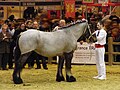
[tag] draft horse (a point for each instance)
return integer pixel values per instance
(59, 43)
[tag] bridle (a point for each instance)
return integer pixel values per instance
(89, 31)
(85, 31)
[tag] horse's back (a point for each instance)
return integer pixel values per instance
(44, 43)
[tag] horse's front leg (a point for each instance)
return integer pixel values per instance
(18, 68)
(59, 76)
(68, 58)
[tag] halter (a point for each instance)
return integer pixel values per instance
(88, 27)
(89, 31)
(90, 43)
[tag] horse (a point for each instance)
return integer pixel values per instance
(59, 43)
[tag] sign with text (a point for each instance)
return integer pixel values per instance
(87, 1)
(85, 54)
(102, 1)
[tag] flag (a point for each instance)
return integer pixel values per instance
(69, 8)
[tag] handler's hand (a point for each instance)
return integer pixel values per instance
(87, 40)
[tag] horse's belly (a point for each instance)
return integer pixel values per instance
(50, 53)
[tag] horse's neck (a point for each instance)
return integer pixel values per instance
(77, 30)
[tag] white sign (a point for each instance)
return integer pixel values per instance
(102, 1)
(85, 54)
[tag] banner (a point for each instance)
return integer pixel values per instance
(85, 54)
(69, 8)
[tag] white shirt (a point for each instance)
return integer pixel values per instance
(101, 38)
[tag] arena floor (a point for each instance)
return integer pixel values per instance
(45, 79)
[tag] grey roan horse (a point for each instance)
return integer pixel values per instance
(59, 43)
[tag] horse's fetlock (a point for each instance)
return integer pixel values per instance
(17, 80)
(60, 78)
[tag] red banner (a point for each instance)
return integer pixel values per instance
(70, 8)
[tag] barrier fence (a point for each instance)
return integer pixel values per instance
(111, 53)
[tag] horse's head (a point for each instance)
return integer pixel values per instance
(86, 32)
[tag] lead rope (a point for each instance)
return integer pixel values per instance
(90, 43)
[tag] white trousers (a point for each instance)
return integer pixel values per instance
(100, 63)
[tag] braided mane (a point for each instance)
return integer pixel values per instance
(72, 24)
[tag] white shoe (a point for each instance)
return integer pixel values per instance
(96, 77)
(102, 78)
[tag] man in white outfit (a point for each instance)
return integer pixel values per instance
(100, 51)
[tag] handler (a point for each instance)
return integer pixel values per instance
(100, 50)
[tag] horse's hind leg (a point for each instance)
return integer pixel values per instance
(18, 68)
(59, 76)
(68, 58)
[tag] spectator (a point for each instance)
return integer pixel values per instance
(16, 33)
(79, 17)
(29, 24)
(29, 13)
(22, 28)
(12, 30)
(34, 55)
(35, 25)
(62, 23)
(115, 33)
(37, 56)
(5, 37)
(11, 18)
(30, 60)
(46, 28)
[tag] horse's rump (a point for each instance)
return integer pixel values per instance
(28, 42)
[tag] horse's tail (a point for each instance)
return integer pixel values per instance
(17, 51)
(17, 68)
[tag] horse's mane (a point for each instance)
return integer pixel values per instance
(72, 24)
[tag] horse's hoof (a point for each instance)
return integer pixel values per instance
(70, 78)
(18, 81)
(60, 78)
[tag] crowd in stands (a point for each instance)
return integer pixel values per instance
(15, 27)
